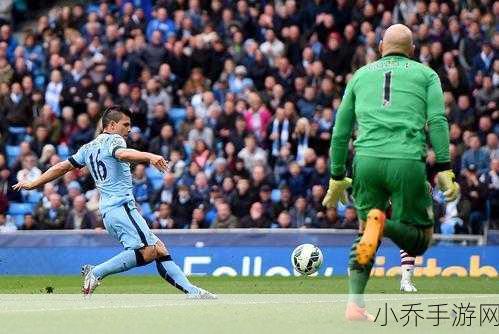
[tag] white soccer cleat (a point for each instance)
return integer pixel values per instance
(201, 294)
(407, 286)
(90, 281)
(406, 283)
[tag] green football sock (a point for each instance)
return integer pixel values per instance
(358, 276)
(408, 237)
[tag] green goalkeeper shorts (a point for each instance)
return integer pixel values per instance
(377, 182)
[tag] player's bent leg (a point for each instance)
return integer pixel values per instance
(373, 233)
(172, 273)
(414, 239)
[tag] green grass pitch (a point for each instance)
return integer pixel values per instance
(245, 285)
(147, 304)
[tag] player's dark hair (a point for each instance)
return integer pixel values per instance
(114, 113)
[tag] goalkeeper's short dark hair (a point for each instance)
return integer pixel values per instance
(114, 113)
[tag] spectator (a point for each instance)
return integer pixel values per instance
(41, 140)
(183, 205)
(159, 119)
(483, 61)
(154, 95)
(302, 140)
(6, 225)
(29, 172)
(272, 48)
(256, 217)
(265, 198)
(135, 140)
(142, 187)
(329, 219)
(225, 218)
(138, 107)
(53, 95)
(165, 143)
(79, 217)
(161, 24)
(296, 180)
(486, 98)
(198, 219)
(239, 82)
(350, 220)
(29, 223)
(83, 134)
(474, 195)
(74, 190)
(257, 116)
(200, 132)
(491, 181)
(220, 172)
(475, 156)
(200, 189)
(284, 220)
(301, 215)
(242, 199)
(279, 130)
(155, 52)
(492, 146)
(166, 193)
(54, 217)
(163, 217)
(16, 107)
(251, 154)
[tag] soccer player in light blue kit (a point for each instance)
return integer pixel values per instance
(107, 159)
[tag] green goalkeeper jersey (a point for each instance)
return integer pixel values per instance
(392, 101)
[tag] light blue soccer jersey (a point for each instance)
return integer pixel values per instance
(112, 177)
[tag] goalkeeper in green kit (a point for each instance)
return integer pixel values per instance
(392, 101)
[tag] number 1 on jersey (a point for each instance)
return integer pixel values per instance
(387, 88)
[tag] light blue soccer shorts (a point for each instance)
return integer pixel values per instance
(125, 224)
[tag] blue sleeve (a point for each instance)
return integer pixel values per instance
(78, 159)
(114, 143)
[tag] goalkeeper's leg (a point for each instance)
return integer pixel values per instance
(407, 271)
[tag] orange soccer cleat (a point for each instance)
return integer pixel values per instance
(373, 232)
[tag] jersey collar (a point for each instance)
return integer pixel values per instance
(396, 54)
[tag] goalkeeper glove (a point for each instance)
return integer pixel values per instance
(337, 192)
(446, 181)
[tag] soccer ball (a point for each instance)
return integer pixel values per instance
(307, 259)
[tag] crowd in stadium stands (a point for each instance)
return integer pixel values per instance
(241, 97)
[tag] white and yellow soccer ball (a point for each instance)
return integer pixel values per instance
(307, 259)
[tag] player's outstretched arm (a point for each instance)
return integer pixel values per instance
(338, 150)
(439, 137)
(51, 174)
(131, 155)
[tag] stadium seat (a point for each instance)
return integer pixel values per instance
(275, 195)
(20, 208)
(153, 173)
(188, 150)
(12, 154)
(177, 115)
(155, 176)
(34, 197)
(18, 220)
(63, 151)
(157, 183)
(17, 134)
